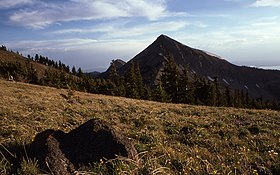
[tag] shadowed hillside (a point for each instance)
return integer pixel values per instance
(169, 138)
(259, 83)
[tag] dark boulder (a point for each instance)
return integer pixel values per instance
(62, 153)
(46, 147)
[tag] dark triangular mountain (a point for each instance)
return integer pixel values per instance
(258, 82)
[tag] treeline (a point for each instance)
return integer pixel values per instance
(3, 48)
(173, 86)
(58, 65)
(177, 87)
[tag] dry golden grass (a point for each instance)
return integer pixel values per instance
(213, 141)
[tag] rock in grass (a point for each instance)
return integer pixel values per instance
(62, 153)
(47, 148)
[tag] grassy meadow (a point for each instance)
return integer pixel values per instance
(170, 138)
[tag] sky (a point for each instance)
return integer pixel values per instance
(91, 33)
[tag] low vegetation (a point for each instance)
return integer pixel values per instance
(170, 138)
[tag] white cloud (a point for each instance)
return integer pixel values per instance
(124, 30)
(266, 3)
(251, 43)
(14, 3)
(48, 13)
(233, 0)
(34, 19)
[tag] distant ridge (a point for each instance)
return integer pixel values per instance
(118, 63)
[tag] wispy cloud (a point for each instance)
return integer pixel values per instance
(266, 3)
(233, 0)
(249, 43)
(45, 14)
(13, 3)
(124, 30)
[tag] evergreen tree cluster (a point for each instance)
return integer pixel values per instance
(3, 48)
(130, 85)
(56, 64)
(176, 87)
(21, 72)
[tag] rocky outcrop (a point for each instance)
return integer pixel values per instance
(63, 153)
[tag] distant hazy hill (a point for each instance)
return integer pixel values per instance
(118, 63)
(258, 82)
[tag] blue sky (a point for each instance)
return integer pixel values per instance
(90, 33)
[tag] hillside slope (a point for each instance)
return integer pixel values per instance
(170, 138)
(6, 57)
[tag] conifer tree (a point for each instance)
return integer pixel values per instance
(185, 93)
(237, 98)
(159, 94)
(247, 99)
(74, 72)
(121, 87)
(139, 81)
(67, 69)
(219, 98)
(80, 72)
(170, 79)
(59, 64)
(211, 96)
(198, 85)
(32, 75)
(116, 80)
(37, 58)
(147, 93)
(228, 97)
(56, 65)
(130, 80)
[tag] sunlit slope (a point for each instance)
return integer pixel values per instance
(170, 138)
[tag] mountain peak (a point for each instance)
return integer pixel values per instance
(168, 42)
(163, 37)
